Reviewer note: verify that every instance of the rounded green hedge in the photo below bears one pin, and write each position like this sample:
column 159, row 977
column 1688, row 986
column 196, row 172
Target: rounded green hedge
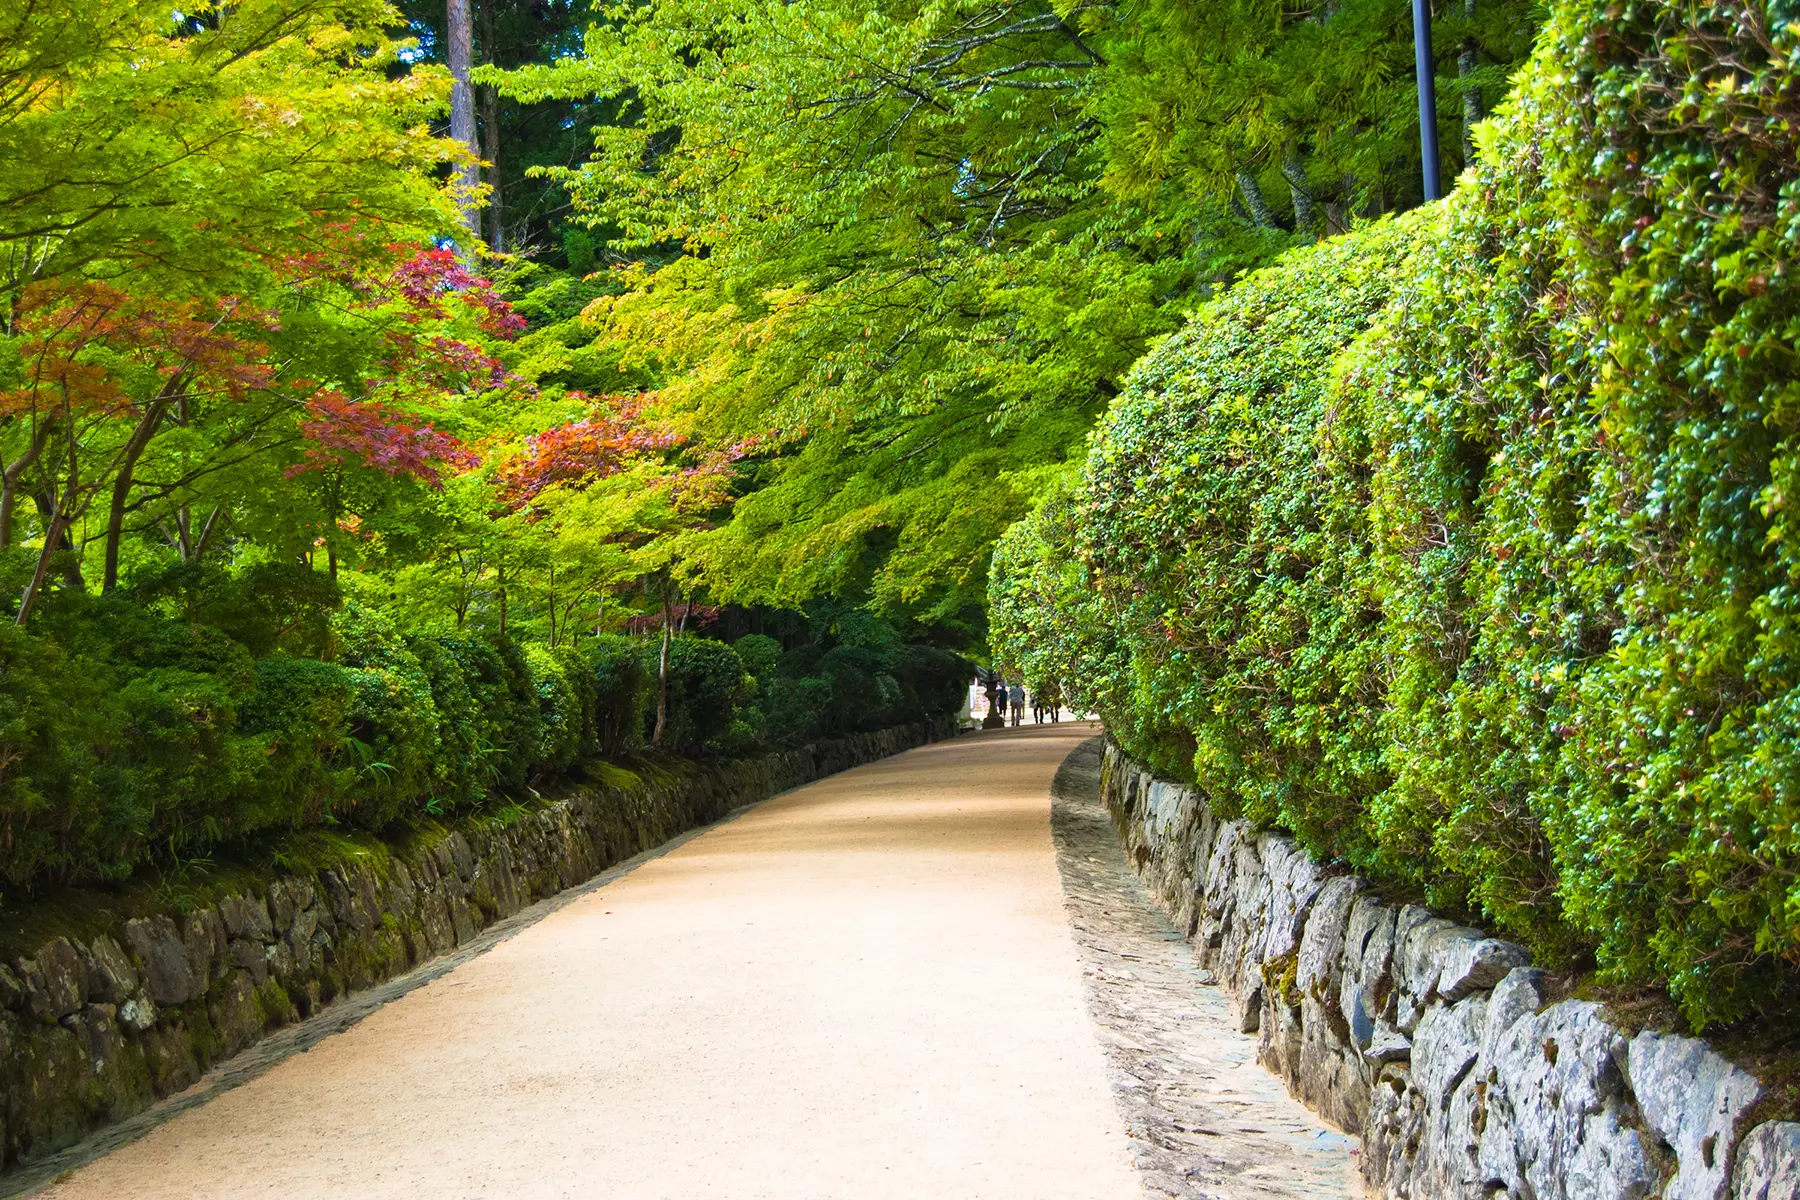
column 1494, row 599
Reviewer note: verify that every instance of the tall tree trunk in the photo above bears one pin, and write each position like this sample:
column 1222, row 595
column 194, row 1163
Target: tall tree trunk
column 48, row 507
column 1253, row 199
column 121, row 492
column 662, row 671
column 58, row 513
column 56, row 533
column 490, row 140
column 1293, row 169
column 462, row 107
column 1466, row 62
column 9, row 480
column 496, row 204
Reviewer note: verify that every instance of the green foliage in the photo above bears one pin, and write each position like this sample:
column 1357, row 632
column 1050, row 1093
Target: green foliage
column 1492, row 600
column 622, row 691
column 561, row 709
column 708, row 693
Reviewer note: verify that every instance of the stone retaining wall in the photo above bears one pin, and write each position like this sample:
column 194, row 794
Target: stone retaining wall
column 96, row 1028
column 1435, row 1042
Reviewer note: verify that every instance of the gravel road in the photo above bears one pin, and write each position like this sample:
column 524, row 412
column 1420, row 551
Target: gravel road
column 865, row 988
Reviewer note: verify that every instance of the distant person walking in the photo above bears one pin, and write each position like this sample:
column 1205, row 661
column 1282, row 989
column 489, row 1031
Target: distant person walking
column 1016, row 694
column 1000, row 701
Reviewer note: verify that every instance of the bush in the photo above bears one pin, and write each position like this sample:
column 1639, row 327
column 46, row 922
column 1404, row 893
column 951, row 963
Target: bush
column 1494, row 601
column 393, row 740
column 562, row 715
column 708, row 688
column 624, row 691
column 299, row 717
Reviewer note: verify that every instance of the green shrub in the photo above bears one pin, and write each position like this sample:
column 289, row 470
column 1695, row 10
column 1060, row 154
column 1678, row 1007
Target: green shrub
column 760, row 653
column 561, row 714
column 57, row 816
column 1494, row 602
column 707, row 690
column 299, row 716
column 624, row 690
column 393, row 739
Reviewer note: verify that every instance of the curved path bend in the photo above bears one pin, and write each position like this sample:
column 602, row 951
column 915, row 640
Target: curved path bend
column 865, row 988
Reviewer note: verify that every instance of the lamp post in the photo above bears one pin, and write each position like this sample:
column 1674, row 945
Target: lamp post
column 1428, row 142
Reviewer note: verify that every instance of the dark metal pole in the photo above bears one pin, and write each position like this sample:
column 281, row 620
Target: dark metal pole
column 1428, row 144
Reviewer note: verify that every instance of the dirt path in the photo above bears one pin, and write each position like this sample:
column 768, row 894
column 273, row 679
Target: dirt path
column 866, row 988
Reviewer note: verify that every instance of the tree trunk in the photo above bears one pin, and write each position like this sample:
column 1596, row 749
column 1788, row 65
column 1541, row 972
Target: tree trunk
column 1466, row 62
column 58, row 513
column 662, row 672
column 490, row 141
column 9, row 480
column 1253, row 199
column 462, row 108
column 496, row 208
column 1293, row 169
column 121, row 492
column 56, row 532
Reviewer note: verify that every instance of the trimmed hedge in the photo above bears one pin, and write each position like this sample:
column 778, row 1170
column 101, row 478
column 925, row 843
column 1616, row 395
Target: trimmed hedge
column 1495, row 599
column 202, row 707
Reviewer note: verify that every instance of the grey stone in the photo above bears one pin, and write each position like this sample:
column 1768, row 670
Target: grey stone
column 1322, row 945
column 203, row 935
column 232, row 1009
column 1365, row 974
column 282, row 905
column 111, row 979
column 299, row 932
column 1218, row 898
column 1387, row 1045
column 462, row 920
column 247, row 917
column 138, row 1013
column 100, row 1025
column 401, row 895
column 1395, row 1125
column 1557, row 1125
column 168, row 973
column 1445, row 1046
column 251, row 957
column 55, row 981
column 1519, row 995
column 281, row 961
column 1293, row 886
column 1768, row 1163
column 1473, row 964
column 1693, row 1099
column 12, row 990
column 1416, row 934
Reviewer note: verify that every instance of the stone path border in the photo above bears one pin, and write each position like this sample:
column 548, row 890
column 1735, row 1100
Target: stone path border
column 1206, row 1122
column 304, row 1035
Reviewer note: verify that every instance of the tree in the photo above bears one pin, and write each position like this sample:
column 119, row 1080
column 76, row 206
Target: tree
column 918, row 250
column 461, row 27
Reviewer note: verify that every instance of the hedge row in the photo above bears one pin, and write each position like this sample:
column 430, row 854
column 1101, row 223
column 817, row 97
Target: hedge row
column 160, row 724
column 1462, row 546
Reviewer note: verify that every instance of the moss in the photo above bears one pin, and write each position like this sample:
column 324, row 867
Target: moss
column 273, row 1006
column 1280, row 976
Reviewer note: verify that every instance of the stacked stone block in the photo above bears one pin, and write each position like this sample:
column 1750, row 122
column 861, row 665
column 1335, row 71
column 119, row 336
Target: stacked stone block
column 1437, row 1043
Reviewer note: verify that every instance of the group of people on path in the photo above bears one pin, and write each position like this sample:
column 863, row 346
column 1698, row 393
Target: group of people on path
column 1011, row 696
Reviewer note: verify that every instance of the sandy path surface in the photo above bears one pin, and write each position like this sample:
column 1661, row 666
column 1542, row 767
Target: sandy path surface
column 866, row 988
